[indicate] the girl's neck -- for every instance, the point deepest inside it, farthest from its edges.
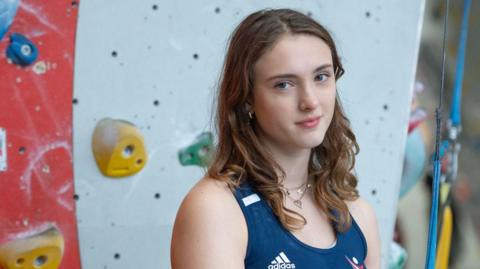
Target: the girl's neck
(293, 161)
(295, 167)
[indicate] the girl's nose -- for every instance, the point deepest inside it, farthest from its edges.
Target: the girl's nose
(308, 99)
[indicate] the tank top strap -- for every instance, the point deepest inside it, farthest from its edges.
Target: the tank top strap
(254, 212)
(356, 239)
(245, 195)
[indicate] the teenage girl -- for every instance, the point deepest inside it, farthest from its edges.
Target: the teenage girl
(280, 192)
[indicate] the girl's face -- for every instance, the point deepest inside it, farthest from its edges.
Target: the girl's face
(294, 83)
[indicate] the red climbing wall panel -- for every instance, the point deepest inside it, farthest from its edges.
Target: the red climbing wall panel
(36, 112)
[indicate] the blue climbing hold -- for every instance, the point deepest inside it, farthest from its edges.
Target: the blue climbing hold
(21, 50)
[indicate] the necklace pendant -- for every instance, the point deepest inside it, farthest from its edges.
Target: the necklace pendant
(298, 203)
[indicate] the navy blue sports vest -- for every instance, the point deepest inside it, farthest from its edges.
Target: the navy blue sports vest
(271, 246)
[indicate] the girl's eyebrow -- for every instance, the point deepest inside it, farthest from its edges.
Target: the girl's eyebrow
(320, 68)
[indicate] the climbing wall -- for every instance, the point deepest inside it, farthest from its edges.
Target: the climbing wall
(155, 65)
(145, 75)
(37, 209)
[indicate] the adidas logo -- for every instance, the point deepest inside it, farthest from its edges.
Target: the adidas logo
(281, 262)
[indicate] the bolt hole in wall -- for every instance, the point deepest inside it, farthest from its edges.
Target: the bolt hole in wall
(195, 56)
(22, 150)
(128, 151)
(75, 101)
(40, 261)
(25, 49)
(117, 256)
(20, 261)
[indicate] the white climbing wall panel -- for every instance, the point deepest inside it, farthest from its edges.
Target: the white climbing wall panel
(155, 64)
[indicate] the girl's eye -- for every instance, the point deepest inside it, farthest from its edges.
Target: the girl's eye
(282, 85)
(322, 77)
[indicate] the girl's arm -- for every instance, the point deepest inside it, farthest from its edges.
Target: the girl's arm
(209, 230)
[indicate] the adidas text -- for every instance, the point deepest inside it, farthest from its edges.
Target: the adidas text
(281, 266)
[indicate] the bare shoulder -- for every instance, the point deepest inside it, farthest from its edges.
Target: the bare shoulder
(209, 230)
(361, 210)
(364, 214)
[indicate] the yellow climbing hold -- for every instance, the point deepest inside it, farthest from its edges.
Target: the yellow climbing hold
(118, 147)
(41, 251)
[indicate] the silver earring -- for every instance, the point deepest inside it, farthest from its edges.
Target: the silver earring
(250, 115)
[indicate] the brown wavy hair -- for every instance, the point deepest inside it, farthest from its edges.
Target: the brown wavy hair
(240, 156)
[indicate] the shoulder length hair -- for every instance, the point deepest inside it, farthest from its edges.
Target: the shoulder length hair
(240, 156)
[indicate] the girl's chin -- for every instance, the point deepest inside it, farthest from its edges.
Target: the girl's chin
(310, 143)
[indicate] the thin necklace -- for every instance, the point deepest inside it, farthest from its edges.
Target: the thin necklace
(301, 190)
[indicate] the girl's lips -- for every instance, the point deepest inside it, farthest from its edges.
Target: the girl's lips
(310, 123)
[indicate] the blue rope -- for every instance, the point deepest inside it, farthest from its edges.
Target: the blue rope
(432, 231)
(455, 111)
(455, 123)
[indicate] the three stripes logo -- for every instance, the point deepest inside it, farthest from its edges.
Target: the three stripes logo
(281, 262)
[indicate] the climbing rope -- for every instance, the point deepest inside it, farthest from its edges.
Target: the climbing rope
(447, 148)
